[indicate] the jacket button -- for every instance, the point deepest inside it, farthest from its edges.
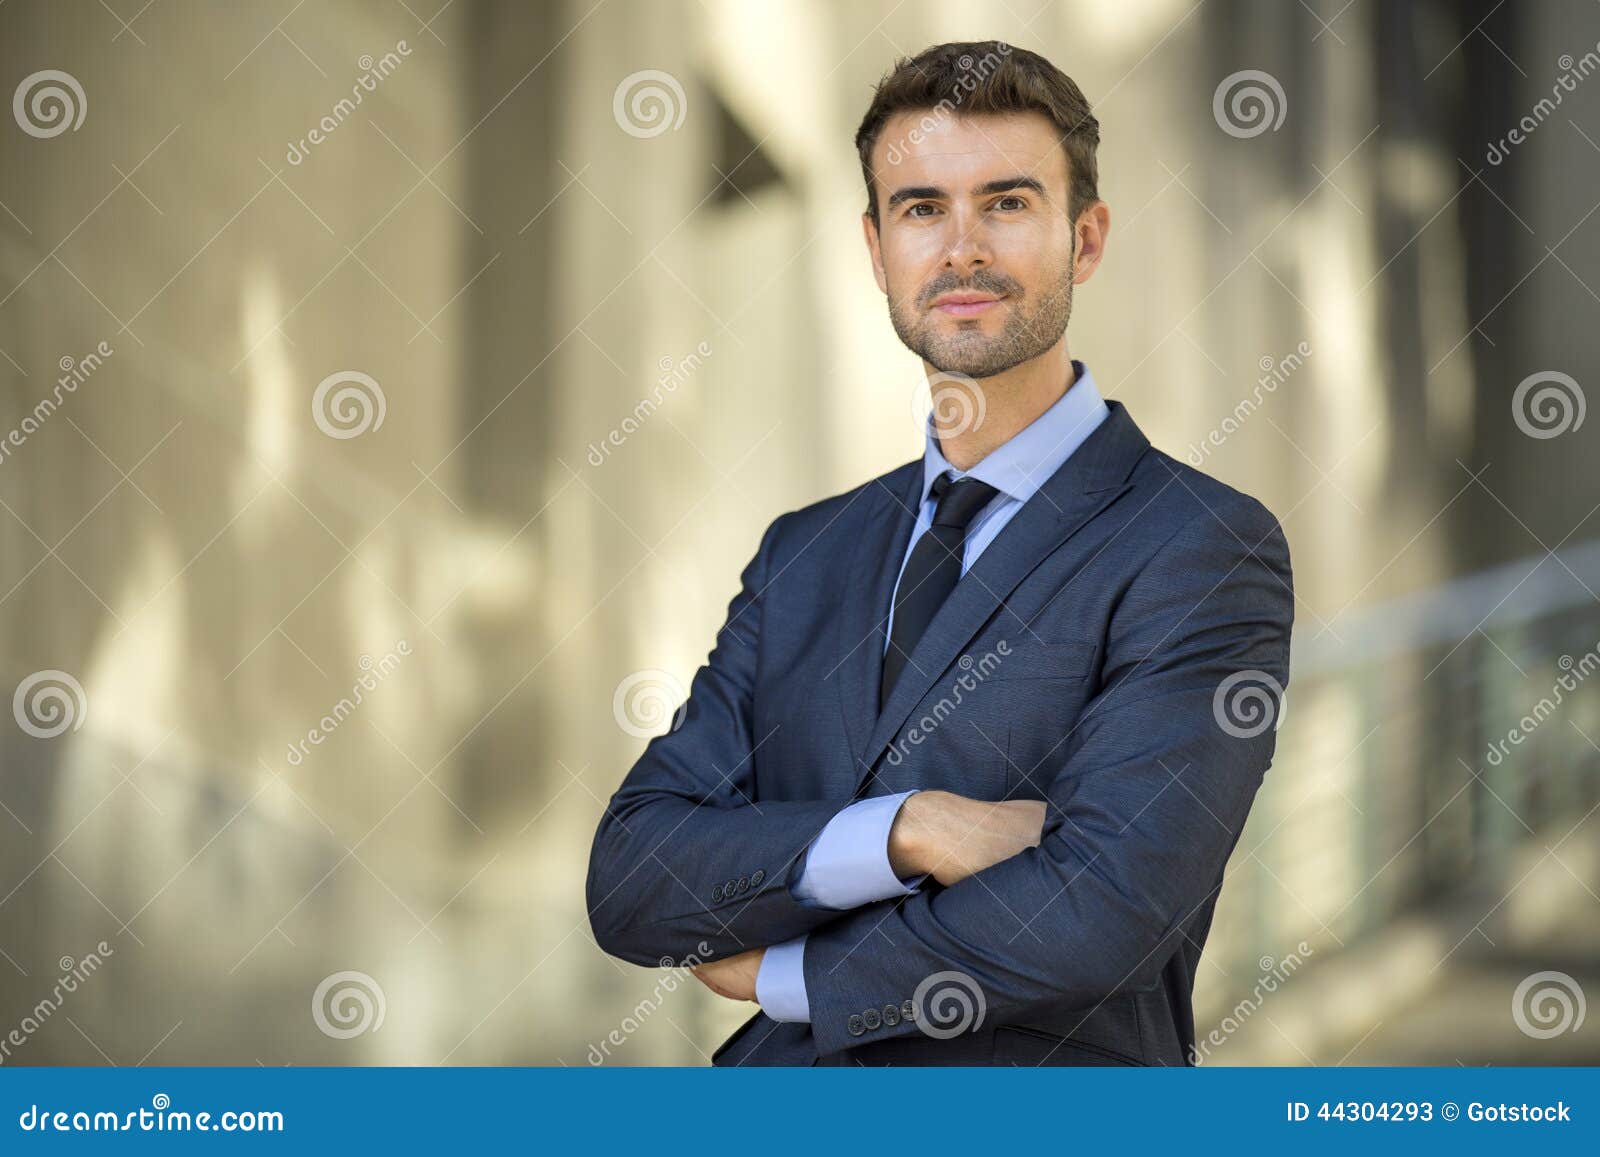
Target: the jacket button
(891, 1014)
(855, 1025)
(871, 1019)
(730, 888)
(756, 877)
(908, 1010)
(744, 884)
(716, 893)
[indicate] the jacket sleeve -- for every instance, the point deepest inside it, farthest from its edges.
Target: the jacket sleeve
(1147, 795)
(687, 864)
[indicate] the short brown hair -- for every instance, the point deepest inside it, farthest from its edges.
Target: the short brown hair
(986, 76)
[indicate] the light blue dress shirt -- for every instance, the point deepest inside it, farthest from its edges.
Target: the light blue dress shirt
(847, 865)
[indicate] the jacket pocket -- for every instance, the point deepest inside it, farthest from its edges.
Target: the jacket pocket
(1031, 658)
(1016, 1044)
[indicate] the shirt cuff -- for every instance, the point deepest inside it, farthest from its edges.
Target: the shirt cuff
(781, 982)
(847, 866)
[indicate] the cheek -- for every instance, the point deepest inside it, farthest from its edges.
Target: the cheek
(1036, 263)
(904, 274)
(913, 256)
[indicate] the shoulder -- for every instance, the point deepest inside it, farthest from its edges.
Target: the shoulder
(1194, 506)
(1197, 528)
(805, 525)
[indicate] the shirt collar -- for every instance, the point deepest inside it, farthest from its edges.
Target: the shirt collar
(1018, 467)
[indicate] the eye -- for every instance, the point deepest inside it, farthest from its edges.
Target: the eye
(912, 212)
(1019, 202)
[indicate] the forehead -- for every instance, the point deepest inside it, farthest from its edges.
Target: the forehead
(937, 147)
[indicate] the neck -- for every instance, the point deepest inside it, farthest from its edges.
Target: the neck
(1008, 403)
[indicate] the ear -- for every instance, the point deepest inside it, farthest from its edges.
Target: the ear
(1093, 224)
(875, 250)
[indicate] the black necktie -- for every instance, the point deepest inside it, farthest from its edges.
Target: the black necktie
(932, 570)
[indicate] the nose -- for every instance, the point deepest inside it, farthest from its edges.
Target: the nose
(967, 247)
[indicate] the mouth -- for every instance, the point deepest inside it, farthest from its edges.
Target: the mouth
(966, 304)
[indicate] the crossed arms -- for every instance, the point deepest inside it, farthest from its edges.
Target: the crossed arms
(1146, 797)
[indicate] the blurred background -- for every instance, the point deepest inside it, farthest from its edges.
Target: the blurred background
(391, 392)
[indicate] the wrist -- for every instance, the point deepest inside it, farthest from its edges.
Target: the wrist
(908, 845)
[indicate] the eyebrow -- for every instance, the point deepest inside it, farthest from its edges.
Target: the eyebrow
(998, 185)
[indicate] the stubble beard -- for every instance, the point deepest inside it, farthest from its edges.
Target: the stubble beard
(1026, 334)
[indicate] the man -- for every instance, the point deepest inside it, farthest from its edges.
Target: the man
(960, 777)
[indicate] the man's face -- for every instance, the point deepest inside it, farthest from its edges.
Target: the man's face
(974, 247)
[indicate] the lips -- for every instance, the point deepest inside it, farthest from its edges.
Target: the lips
(962, 305)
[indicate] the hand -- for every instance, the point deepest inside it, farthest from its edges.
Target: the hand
(950, 837)
(735, 977)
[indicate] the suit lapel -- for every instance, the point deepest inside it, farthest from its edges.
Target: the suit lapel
(1089, 481)
(878, 536)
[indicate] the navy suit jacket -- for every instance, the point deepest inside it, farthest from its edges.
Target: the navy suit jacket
(1119, 650)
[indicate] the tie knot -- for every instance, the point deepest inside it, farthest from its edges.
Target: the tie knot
(959, 502)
